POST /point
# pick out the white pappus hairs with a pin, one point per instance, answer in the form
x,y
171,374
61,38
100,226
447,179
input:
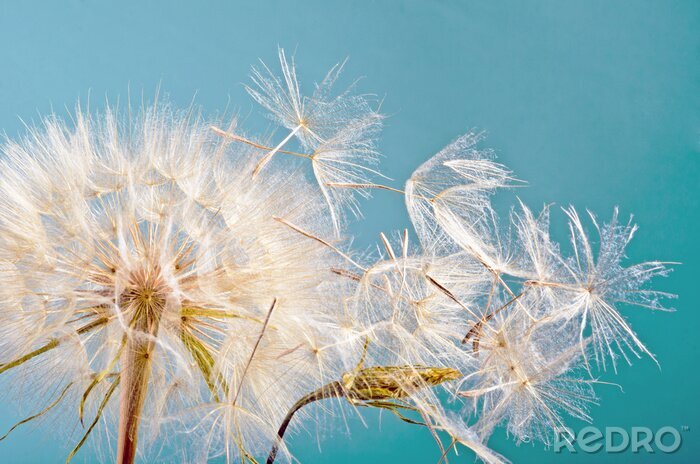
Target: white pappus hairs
x,y
173,289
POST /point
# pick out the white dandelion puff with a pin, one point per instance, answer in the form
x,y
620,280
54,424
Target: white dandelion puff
x,y
161,283
140,261
413,318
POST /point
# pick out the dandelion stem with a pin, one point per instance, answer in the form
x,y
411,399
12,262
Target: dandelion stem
x,y
377,387
332,390
134,376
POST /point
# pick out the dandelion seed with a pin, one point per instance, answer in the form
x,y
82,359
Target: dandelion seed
x,y
338,131
596,284
526,382
314,119
448,196
528,308
404,302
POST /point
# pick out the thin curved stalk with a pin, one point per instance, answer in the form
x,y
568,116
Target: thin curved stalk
x,y
332,390
381,387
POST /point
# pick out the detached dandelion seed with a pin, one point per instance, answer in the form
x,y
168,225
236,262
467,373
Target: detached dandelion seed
x,y
338,131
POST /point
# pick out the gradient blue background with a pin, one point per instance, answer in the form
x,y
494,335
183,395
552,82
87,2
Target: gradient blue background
x,y
594,103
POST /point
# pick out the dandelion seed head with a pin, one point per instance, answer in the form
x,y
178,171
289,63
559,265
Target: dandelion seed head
x,y
145,247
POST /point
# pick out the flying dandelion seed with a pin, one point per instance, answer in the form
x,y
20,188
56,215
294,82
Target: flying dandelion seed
x,y
591,285
337,130
527,346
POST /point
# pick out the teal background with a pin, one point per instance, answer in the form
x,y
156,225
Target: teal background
x,y
594,103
